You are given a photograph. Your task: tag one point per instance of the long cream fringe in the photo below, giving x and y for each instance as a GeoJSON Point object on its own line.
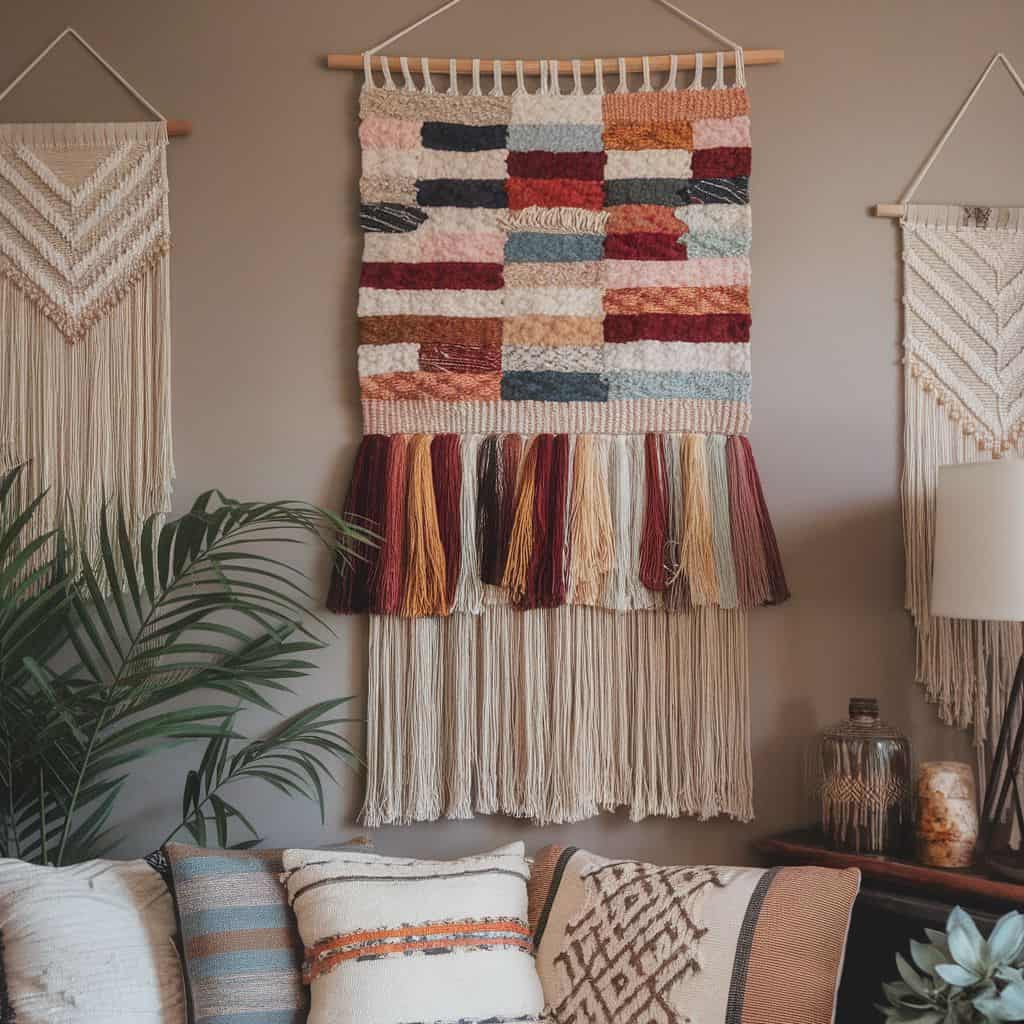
{"type": "Point", "coordinates": [556, 714]}
{"type": "Point", "coordinates": [966, 668]}
{"type": "Point", "coordinates": [91, 420]}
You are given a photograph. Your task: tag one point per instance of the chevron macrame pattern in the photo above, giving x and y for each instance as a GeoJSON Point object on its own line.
{"type": "Point", "coordinates": [85, 398]}
{"type": "Point", "coordinates": [83, 214]}
{"type": "Point", "coordinates": [964, 356]}
{"type": "Point", "coordinates": [965, 319]}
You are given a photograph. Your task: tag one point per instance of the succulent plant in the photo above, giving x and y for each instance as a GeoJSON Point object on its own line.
{"type": "Point", "coordinates": [960, 977]}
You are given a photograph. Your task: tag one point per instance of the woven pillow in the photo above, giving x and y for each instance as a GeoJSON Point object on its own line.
{"type": "Point", "coordinates": [619, 940]}
{"type": "Point", "coordinates": [241, 951]}
{"type": "Point", "coordinates": [88, 944]}
{"type": "Point", "coordinates": [392, 941]}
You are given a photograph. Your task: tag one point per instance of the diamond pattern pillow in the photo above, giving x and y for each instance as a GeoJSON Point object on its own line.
{"type": "Point", "coordinates": [620, 940]}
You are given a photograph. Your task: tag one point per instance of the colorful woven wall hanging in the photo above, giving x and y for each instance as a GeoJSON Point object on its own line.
{"type": "Point", "coordinates": [554, 364]}
{"type": "Point", "coordinates": [85, 316]}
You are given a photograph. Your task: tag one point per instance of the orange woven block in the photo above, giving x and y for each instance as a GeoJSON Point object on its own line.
{"type": "Point", "coordinates": [553, 330]}
{"type": "Point", "coordinates": [428, 330]}
{"type": "Point", "coordinates": [695, 301]}
{"type": "Point", "coordinates": [681, 105]}
{"type": "Point", "coordinates": [629, 219]}
{"type": "Point", "coordinates": [451, 387]}
{"type": "Point", "coordinates": [672, 135]}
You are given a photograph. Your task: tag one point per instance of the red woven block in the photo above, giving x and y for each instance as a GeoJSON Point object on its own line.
{"type": "Point", "coordinates": [541, 164]}
{"type": "Point", "coordinates": [524, 192]}
{"type": "Point", "coordinates": [644, 245]}
{"type": "Point", "coordinates": [455, 276]}
{"type": "Point", "coordinates": [716, 327]}
{"type": "Point", "coordinates": [723, 162]}
{"type": "Point", "coordinates": [460, 358]}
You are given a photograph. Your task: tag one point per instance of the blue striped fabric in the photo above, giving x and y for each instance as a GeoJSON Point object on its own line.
{"type": "Point", "coordinates": [242, 953]}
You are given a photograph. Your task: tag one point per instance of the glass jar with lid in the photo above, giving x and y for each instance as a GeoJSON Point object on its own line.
{"type": "Point", "coordinates": [865, 792]}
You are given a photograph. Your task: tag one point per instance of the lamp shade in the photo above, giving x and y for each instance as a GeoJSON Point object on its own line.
{"type": "Point", "coordinates": [978, 564]}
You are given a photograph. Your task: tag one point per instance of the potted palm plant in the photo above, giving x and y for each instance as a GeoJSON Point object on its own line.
{"type": "Point", "coordinates": [159, 639]}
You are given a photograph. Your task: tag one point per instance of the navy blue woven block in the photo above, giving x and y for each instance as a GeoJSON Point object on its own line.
{"type": "Point", "coordinates": [552, 386]}
{"type": "Point", "coordinates": [735, 191]}
{"type": "Point", "coordinates": [466, 192]}
{"type": "Point", "coordinates": [463, 138]}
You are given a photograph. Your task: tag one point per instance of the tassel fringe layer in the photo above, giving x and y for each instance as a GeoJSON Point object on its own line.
{"type": "Point", "coordinates": [625, 523]}
{"type": "Point", "coordinates": [557, 715]}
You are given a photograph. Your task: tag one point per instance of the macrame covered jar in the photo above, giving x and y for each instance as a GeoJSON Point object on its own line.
{"type": "Point", "coordinates": [865, 794]}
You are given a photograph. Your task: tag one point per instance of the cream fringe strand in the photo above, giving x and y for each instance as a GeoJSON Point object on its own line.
{"type": "Point", "coordinates": [556, 714]}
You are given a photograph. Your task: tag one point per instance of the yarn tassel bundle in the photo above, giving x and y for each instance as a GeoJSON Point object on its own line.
{"type": "Point", "coordinates": [554, 364]}
{"type": "Point", "coordinates": [85, 321]}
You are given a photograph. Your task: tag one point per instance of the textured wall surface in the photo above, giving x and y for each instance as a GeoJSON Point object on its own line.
{"type": "Point", "coordinates": [264, 273]}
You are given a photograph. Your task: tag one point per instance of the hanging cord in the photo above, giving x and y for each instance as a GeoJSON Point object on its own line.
{"type": "Point", "coordinates": [908, 193]}
{"type": "Point", "coordinates": [69, 31]}
{"type": "Point", "coordinates": [696, 22]}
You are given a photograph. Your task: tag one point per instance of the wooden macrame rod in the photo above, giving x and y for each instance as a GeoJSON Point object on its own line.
{"type": "Point", "coordinates": [438, 65]}
{"type": "Point", "coordinates": [895, 210]}
{"type": "Point", "coordinates": [176, 129]}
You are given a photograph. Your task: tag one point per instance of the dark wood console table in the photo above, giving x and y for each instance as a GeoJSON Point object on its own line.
{"type": "Point", "coordinates": [898, 899]}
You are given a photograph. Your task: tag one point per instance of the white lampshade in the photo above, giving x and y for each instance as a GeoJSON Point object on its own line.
{"type": "Point", "coordinates": [978, 567]}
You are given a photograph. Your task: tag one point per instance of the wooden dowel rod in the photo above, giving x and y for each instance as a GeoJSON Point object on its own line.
{"type": "Point", "coordinates": [894, 210]}
{"type": "Point", "coordinates": [464, 66]}
{"type": "Point", "coordinates": [177, 128]}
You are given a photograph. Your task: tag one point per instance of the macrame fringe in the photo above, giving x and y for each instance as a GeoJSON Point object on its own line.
{"type": "Point", "coordinates": [558, 714]}
{"type": "Point", "coordinates": [966, 668]}
{"type": "Point", "coordinates": [91, 420]}
{"type": "Point", "coordinates": [629, 523]}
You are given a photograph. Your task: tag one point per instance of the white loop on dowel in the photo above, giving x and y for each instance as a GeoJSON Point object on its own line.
{"type": "Point", "coordinates": [475, 91]}
{"type": "Point", "coordinates": [543, 78]}
{"type": "Point", "coordinates": [428, 85]}
{"type": "Point", "coordinates": [577, 79]}
{"type": "Point", "coordinates": [389, 82]}
{"type": "Point", "coordinates": [698, 71]}
{"type": "Point", "coordinates": [623, 85]}
{"type": "Point", "coordinates": [520, 79]}
{"type": "Point", "coordinates": [673, 74]}
{"type": "Point", "coordinates": [598, 76]}
{"type": "Point", "coordinates": [646, 64]}
{"type": "Point", "coordinates": [556, 85]}
{"type": "Point", "coordinates": [908, 193]}
{"type": "Point", "coordinates": [498, 88]}
{"type": "Point", "coordinates": [741, 69]}
{"type": "Point", "coordinates": [719, 70]}
{"type": "Point", "coordinates": [453, 78]}
{"type": "Point", "coordinates": [410, 85]}
{"type": "Point", "coordinates": [368, 71]}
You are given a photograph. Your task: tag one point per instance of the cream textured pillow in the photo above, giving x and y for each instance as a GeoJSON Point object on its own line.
{"type": "Point", "coordinates": [393, 941]}
{"type": "Point", "coordinates": [89, 944]}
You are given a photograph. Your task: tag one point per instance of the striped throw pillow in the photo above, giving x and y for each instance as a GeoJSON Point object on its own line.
{"type": "Point", "coordinates": [241, 951]}
{"type": "Point", "coordinates": [393, 941]}
{"type": "Point", "coordinates": [620, 940]}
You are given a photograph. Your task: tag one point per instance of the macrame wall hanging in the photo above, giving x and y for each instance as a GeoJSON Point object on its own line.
{"type": "Point", "coordinates": [85, 314]}
{"type": "Point", "coordinates": [963, 274]}
{"type": "Point", "coordinates": [554, 364]}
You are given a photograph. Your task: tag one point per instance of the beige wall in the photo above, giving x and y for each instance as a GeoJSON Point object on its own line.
{"type": "Point", "coordinates": [265, 269]}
